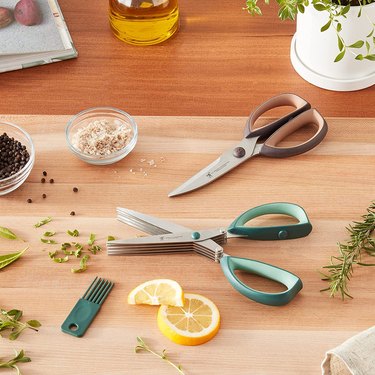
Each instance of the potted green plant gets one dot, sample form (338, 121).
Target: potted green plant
(334, 44)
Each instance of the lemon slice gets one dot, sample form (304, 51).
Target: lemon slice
(157, 292)
(196, 322)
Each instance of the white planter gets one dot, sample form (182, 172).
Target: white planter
(313, 52)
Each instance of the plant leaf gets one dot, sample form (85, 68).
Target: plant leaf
(34, 323)
(49, 242)
(110, 238)
(73, 233)
(357, 44)
(49, 234)
(7, 259)
(340, 56)
(7, 233)
(370, 57)
(61, 260)
(326, 26)
(83, 265)
(91, 239)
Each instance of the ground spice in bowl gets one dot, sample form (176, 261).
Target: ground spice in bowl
(101, 138)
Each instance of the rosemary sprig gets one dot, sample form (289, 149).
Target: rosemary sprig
(340, 269)
(12, 363)
(143, 346)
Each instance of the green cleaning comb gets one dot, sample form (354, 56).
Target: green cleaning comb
(87, 307)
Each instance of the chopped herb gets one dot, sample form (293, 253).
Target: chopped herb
(95, 248)
(61, 260)
(49, 234)
(49, 242)
(8, 234)
(78, 253)
(7, 259)
(91, 239)
(78, 246)
(82, 264)
(9, 320)
(52, 254)
(73, 233)
(43, 222)
(110, 238)
(65, 245)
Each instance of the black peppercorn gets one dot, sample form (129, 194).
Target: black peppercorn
(75, 189)
(44, 196)
(29, 201)
(13, 156)
(72, 213)
(44, 173)
(51, 181)
(43, 180)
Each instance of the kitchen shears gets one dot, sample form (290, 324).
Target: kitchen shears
(168, 237)
(264, 140)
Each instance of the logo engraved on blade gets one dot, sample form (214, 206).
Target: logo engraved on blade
(162, 238)
(218, 169)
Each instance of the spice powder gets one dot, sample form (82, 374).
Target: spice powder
(101, 138)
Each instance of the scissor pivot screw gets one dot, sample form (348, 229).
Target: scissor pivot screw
(283, 234)
(239, 152)
(195, 235)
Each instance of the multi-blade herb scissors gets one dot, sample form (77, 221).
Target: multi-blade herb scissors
(168, 237)
(264, 140)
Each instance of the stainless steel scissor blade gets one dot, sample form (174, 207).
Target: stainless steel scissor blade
(226, 162)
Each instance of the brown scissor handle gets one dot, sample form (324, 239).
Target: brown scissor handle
(309, 117)
(281, 100)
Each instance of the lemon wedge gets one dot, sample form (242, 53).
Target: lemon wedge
(157, 292)
(195, 323)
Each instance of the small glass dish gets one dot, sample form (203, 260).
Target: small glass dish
(13, 182)
(102, 116)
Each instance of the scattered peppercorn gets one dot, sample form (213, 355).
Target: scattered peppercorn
(44, 196)
(72, 213)
(75, 189)
(13, 156)
(44, 173)
(51, 181)
(29, 201)
(43, 180)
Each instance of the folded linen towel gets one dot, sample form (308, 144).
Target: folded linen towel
(356, 356)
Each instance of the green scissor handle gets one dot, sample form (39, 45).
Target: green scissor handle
(293, 283)
(278, 232)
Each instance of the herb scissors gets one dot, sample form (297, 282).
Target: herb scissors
(168, 237)
(263, 140)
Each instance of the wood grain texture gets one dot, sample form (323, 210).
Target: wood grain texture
(334, 184)
(222, 62)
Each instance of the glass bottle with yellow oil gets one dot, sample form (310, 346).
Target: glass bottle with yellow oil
(143, 22)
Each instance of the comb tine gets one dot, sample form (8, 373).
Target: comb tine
(109, 288)
(100, 291)
(98, 286)
(88, 289)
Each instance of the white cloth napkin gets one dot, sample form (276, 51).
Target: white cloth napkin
(356, 356)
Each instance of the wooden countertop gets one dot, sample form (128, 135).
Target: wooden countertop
(222, 62)
(334, 183)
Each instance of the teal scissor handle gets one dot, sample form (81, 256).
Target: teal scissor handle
(278, 232)
(293, 283)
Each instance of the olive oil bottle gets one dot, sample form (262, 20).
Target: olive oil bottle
(143, 22)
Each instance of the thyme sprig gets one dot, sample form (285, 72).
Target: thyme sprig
(143, 346)
(12, 363)
(340, 269)
(10, 320)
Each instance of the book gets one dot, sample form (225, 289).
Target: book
(27, 46)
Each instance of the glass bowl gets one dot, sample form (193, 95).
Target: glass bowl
(83, 142)
(13, 182)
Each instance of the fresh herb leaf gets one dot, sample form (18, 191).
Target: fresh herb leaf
(52, 254)
(82, 265)
(49, 234)
(12, 363)
(43, 222)
(110, 238)
(143, 346)
(10, 320)
(91, 239)
(78, 246)
(65, 245)
(73, 233)
(7, 259)
(7, 233)
(47, 241)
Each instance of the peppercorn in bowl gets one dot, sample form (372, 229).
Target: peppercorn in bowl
(17, 155)
(101, 135)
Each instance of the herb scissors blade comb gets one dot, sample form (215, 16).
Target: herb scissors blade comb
(85, 310)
